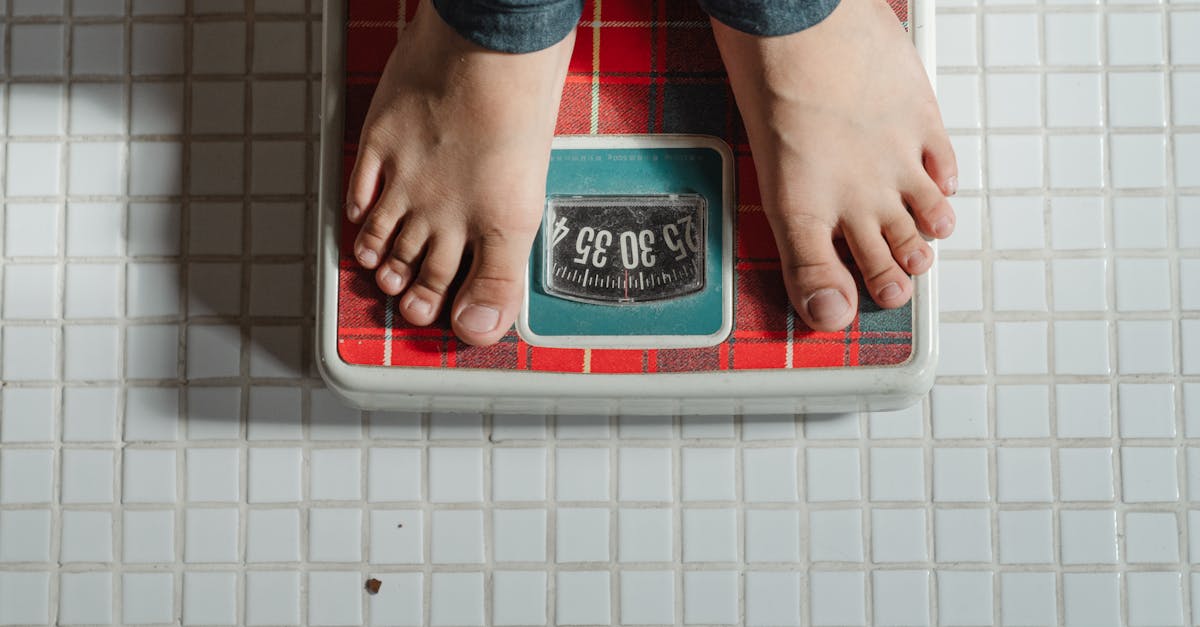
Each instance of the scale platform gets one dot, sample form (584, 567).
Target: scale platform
(654, 284)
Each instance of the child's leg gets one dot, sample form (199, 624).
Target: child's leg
(848, 143)
(453, 159)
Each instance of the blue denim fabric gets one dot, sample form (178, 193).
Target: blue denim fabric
(769, 18)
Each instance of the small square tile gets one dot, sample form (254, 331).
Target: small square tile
(1027, 598)
(1151, 538)
(898, 535)
(85, 598)
(962, 349)
(838, 598)
(644, 535)
(1080, 284)
(209, 598)
(1092, 599)
(833, 474)
(1014, 100)
(968, 227)
(210, 536)
(519, 474)
(154, 229)
(1010, 39)
(1149, 475)
(710, 535)
(1020, 347)
(644, 474)
(1022, 411)
(273, 475)
(580, 427)
(1136, 99)
(335, 534)
(455, 475)
(91, 291)
(335, 474)
(1147, 410)
(583, 598)
(1085, 474)
(710, 597)
(582, 474)
(37, 50)
(1072, 39)
(1154, 598)
(34, 169)
(707, 474)
(89, 414)
(772, 598)
(519, 598)
(273, 535)
(1189, 339)
(155, 167)
(897, 474)
(768, 427)
(1185, 90)
(213, 413)
(1088, 536)
(1143, 284)
(958, 98)
(87, 476)
(35, 109)
(634, 427)
(1073, 99)
(149, 536)
(1191, 409)
(26, 475)
(157, 49)
(1015, 161)
(518, 535)
(147, 598)
(647, 597)
(582, 535)
(1017, 222)
(1026, 537)
(457, 537)
(274, 414)
(394, 474)
(1023, 475)
(518, 427)
(901, 597)
(92, 353)
(1082, 347)
(397, 537)
(959, 411)
(772, 535)
(1137, 161)
(957, 41)
(769, 475)
(335, 598)
(1083, 410)
(831, 426)
(30, 353)
(904, 423)
(157, 109)
(212, 474)
(149, 476)
(31, 229)
(960, 285)
(1135, 39)
(24, 597)
(1144, 347)
(1189, 284)
(272, 598)
(25, 536)
(960, 475)
(28, 414)
(86, 537)
(30, 292)
(965, 598)
(1077, 223)
(1187, 159)
(1076, 161)
(151, 351)
(403, 603)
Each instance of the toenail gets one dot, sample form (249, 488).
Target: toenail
(368, 258)
(353, 211)
(419, 306)
(392, 282)
(478, 319)
(951, 186)
(827, 304)
(942, 228)
(891, 291)
(915, 259)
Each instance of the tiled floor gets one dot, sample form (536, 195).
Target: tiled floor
(158, 189)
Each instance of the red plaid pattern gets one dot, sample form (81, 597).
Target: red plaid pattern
(657, 70)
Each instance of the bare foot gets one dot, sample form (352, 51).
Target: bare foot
(453, 158)
(848, 143)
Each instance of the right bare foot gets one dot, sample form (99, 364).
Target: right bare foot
(453, 157)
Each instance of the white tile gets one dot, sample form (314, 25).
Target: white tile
(962, 349)
(28, 414)
(1022, 411)
(1185, 98)
(958, 98)
(772, 598)
(897, 474)
(519, 598)
(1137, 161)
(1190, 346)
(86, 537)
(644, 474)
(957, 40)
(37, 50)
(960, 475)
(25, 536)
(89, 414)
(210, 536)
(707, 474)
(284, 51)
(1187, 159)
(157, 49)
(1023, 475)
(151, 351)
(273, 535)
(335, 534)
(1085, 474)
(772, 536)
(769, 475)
(151, 414)
(214, 351)
(831, 426)
(209, 598)
(518, 535)
(768, 427)
(582, 597)
(98, 49)
(403, 604)
(836, 535)
(30, 292)
(580, 427)
(838, 598)
(1184, 48)
(1077, 223)
(1140, 222)
(1020, 347)
(901, 597)
(904, 423)
(1076, 161)
(1147, 410)
(38, 7)
(1143, 284)
(1189, 284)
(519, 474)
(1135, 39)
(1149, 475)
(968, 225)
(1151, 538)
(212, 474)
(85, 598)
(1014, 100)
(959, 411)
(272, 598)
(1084, 410)
(87, 476)
(644, 535)
(92, 353)
(218, 107)
(968, 151)
(149, 476)
(1092, 599)
(397, 536)
(394, 474)
(214, 412)
(273, 475)
(1010, 39)
(155, 167)
(1017, 223)
(710, 597)
(147, 598)
(582, 535)
(24, 598)
(1136, 99)
(1027, 598)
(1073, 99)
(1089, 536)
(149, 536)
(1026, 536)
(93, 229)
(1072, 39)
(582, 474)
(34, 169)
(1154, 598)
(335, 598)
(1014, 161)
(35, 109)
(97, 109)
(710, 535)
(898, 535)
(456, 537)
(1081, 347)
(31, 229)
(274, 167)
(647, 597)
(1144, 347)
(833, 474)
(634, 427)
(455, 475)
(714, 427)
(335, 474)
(152, 289)
(214, 289)
(960, 285)
(1191, 409)
(91, 291)
(965, 597)
(30, 353)
(1018, 285)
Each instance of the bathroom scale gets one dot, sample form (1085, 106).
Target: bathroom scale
(653, 286)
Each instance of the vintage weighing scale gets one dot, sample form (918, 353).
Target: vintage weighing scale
(654, 285)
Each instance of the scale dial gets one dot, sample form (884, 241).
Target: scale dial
(622, 250)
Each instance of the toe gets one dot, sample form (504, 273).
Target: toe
(888, 285)
(940, 163)
(363, 184)
(929, 206)
(423, 300)
(908, 247)
(397, 269)
(377, 230)
(487, 305)
(818, 283)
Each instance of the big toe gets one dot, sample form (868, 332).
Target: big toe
(818, 283)
(488, 302)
